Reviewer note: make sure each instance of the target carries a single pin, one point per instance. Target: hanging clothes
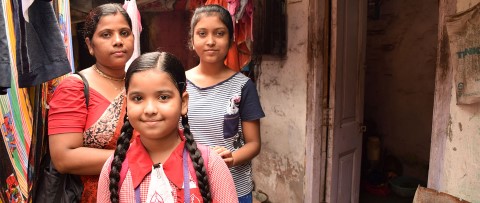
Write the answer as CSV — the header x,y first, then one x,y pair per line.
x,y
20,34
65,24
192,4
219,2
7,171
131,7
5,73
16,120
25,6
44,45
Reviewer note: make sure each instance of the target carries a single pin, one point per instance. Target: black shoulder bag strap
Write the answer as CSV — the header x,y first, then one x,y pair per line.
x,y
85,88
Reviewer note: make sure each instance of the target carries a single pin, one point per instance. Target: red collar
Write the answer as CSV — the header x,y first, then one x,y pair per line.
x,y
140,163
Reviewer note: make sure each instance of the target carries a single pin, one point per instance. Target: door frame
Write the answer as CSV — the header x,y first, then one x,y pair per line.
x,y
318,120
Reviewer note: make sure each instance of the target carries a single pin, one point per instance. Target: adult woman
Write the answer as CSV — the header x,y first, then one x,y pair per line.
x,y
82,138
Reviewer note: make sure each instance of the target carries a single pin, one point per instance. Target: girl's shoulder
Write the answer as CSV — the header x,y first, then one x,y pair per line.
x,y
237,79
205,152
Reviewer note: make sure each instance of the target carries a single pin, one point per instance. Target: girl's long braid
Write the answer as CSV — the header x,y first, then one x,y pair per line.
x,y
197,160
123,143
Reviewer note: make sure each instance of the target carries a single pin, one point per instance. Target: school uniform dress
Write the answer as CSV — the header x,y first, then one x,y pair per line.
x,y
139,178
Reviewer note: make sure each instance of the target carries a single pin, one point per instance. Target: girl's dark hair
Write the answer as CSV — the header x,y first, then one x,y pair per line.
x,y
212,10
92,19
173,67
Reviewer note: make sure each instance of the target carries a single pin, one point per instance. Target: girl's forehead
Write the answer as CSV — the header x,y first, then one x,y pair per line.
x,y
209,21
150,80
150,75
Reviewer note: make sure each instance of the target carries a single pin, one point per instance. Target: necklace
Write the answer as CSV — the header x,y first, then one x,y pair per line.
x,y
110,80
106,76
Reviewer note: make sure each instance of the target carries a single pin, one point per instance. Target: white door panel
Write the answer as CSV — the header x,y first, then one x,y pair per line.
x,y
346,100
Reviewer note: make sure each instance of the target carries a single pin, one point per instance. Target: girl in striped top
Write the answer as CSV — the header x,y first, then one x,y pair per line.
x,y
224,108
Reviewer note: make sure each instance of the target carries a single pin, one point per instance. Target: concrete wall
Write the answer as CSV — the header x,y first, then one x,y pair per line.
x,y
456,135
279,170
400,78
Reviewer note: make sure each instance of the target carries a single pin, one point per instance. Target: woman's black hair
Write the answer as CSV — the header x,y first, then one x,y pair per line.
x,y
92,19
173,67
211,10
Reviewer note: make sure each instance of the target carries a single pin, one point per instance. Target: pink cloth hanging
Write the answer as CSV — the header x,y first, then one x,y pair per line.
x,y
131,7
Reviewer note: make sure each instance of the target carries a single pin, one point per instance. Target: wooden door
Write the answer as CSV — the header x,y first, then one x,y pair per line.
x,y
348,38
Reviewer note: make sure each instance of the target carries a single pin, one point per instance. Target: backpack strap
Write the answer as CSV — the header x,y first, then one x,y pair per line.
x,y
205,151
85,88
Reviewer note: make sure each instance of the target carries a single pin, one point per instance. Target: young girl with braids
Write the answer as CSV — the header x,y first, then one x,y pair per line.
x,y
163,163
224,107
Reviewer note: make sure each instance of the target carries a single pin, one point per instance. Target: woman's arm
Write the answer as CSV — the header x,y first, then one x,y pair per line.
x,y
69,156
67,119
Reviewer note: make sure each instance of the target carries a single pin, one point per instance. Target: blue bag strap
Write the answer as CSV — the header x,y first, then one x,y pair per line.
x,y
186,177
137,194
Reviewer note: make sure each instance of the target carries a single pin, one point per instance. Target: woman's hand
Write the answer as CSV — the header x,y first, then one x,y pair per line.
x,y
225,154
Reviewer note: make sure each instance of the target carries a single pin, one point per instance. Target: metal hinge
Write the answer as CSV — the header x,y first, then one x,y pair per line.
x,y
363,129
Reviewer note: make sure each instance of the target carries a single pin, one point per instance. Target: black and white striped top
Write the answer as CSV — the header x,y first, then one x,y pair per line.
x,y
215,114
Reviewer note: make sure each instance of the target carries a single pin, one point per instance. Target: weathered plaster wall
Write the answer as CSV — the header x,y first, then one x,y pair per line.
x,y
463,5
456,132
279,170
400,76
461,164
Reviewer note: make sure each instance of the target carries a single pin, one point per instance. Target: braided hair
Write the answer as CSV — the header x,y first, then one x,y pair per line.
x,y
173,67
197,160
123,143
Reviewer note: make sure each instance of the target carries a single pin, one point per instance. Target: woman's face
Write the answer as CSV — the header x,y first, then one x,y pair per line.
x,y
154,105
210,39
112,42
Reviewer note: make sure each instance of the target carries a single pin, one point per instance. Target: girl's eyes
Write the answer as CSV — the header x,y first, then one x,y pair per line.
x,y
217,33
163,97
136,98
202,34
139,98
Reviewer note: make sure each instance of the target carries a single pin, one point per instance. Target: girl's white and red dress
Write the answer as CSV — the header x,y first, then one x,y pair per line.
x,y
139,174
